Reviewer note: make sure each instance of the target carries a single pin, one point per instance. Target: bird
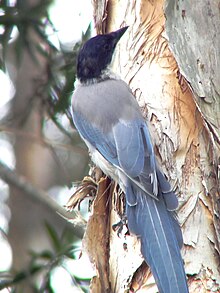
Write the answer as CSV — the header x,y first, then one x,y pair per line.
x,y
109,120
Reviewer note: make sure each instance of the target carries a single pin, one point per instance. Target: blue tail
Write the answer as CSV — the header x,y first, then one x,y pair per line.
x,y
160,236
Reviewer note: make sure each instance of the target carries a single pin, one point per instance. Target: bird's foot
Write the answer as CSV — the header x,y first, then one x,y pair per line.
x,y
120,225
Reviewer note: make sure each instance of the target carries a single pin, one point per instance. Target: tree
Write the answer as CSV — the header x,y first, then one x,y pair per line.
x,y
169,57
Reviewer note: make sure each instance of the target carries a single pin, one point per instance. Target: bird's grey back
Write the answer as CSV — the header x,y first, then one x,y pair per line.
x,y
106,101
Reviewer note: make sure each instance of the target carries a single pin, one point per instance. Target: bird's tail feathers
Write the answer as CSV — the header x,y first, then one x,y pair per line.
x,y
160,237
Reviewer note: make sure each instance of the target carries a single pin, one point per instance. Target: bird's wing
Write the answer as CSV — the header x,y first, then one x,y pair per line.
x,y
103,143
137,160
135,154
126,147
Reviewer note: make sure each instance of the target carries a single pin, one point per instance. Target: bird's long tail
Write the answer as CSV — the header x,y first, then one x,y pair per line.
x,y
160,237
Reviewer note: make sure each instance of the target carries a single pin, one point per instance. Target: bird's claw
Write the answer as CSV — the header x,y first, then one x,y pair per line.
x,y
120,225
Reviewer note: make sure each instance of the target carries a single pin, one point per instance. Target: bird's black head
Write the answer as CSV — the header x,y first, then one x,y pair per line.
x,y
96,54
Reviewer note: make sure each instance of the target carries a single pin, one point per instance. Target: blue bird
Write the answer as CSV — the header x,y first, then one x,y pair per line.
x,y
110,122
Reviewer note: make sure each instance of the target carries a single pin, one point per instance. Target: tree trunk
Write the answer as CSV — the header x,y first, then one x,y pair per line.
x,y
184,128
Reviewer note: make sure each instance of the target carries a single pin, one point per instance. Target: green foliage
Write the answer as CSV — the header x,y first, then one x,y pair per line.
x,y
25,18
42,263
32,23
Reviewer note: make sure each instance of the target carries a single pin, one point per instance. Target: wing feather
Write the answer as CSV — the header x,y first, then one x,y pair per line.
x,y
130,148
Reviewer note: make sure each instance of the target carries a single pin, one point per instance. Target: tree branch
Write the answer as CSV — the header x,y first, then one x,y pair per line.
x,y
11,178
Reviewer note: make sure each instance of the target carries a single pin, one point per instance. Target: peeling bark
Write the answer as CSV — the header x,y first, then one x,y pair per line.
x,y
96,239
193,29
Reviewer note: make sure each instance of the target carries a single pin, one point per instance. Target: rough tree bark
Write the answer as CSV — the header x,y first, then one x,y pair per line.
x,y
185,131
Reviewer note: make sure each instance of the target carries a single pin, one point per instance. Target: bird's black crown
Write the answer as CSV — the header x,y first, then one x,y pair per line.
x,y
96,54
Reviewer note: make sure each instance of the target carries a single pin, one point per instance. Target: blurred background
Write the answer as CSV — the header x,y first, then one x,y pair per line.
x,y
40,251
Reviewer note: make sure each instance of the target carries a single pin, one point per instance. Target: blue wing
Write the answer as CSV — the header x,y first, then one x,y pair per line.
x,y
123,147
129,148
103,143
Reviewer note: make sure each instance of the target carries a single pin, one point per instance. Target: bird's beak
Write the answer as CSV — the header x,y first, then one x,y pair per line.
x,y
119,33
